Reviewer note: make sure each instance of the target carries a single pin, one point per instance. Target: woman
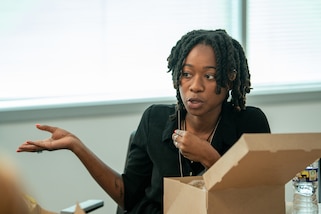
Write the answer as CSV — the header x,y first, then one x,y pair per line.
x,y
208,67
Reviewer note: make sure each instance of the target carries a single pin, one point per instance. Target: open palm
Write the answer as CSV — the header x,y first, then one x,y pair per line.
x,y
60,139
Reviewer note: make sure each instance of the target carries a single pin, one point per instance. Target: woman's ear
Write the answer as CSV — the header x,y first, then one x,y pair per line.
x,y
231,78
232,75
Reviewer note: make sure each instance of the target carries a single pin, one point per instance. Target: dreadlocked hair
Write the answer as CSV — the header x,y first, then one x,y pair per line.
x,y
232,69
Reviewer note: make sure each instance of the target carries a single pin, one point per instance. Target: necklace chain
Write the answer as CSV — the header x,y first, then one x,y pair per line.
x,y
211,135
209,139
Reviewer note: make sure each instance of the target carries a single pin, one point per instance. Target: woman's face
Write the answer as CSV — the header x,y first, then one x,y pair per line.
x,y
198,84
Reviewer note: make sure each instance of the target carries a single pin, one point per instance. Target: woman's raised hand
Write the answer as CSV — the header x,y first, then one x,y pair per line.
x,y
60,139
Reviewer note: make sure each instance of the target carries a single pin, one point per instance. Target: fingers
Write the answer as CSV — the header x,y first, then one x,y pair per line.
x,y
176,144
40,145
177,137
29,146
47,128
174,137
177,133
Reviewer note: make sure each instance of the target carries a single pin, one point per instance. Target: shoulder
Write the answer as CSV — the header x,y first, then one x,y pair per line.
x,y
250,119
249,111
158,108
254,120
252,111
159,111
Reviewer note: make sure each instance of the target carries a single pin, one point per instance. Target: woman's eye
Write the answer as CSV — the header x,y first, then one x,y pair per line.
x,y
186,74
210,76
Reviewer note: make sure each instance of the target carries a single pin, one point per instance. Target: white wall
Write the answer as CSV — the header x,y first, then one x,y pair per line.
x,y
58,180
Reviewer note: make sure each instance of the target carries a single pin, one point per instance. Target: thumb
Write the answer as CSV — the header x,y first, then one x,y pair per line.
x,y
47,128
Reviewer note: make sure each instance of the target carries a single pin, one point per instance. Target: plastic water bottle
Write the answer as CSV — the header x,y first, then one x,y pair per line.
x,y
305,186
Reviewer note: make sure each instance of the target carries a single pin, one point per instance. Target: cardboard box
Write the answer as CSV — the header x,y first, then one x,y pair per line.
x,y
249,178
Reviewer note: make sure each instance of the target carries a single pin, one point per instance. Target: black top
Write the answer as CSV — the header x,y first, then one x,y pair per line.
x,y
153,156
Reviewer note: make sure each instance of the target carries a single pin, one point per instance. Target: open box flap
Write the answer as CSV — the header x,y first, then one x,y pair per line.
x,y
178,193
263,159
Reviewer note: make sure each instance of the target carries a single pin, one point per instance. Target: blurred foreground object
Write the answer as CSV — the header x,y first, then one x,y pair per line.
x,y
13,197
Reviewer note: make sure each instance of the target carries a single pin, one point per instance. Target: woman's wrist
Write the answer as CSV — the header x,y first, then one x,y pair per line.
x,y
210,158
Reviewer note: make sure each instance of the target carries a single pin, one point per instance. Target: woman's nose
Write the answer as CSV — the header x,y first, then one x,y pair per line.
x,y
197,84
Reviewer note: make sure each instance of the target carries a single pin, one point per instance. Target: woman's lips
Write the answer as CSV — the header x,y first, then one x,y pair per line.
x,y
194,103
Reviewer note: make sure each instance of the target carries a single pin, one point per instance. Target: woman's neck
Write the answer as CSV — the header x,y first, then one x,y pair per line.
x,y
201,125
